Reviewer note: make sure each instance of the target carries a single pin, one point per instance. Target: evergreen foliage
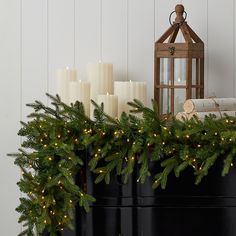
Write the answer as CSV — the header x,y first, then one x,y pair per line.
x,y
57,137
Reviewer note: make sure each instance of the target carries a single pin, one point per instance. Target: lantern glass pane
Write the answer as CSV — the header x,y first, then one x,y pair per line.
x,y
180,71
179,99
194,93
165,71
164,101
194,71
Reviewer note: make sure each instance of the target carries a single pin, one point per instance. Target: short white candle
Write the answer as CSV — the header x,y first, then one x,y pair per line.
x,y
127,91
110,104
64,76
80,91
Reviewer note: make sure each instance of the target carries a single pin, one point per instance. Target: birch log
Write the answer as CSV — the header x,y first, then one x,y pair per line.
x,y
210,104
182,116
217,114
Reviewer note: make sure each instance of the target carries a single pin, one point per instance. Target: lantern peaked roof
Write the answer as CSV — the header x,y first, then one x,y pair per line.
x,y
179,25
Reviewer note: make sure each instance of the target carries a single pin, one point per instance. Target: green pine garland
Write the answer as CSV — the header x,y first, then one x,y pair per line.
x,y
56,137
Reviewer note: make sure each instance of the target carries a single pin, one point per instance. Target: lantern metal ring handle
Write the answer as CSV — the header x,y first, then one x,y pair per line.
x,y
185,17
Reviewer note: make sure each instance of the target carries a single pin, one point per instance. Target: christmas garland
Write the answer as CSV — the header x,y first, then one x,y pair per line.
x,y
56,137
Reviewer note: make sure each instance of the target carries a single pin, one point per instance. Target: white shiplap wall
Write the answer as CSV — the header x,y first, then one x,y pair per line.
x,y
37,37
11,109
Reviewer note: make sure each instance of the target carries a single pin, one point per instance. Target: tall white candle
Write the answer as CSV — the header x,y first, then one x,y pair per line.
x,y
80,91
110,104
73,91
64,76
122,90
100,76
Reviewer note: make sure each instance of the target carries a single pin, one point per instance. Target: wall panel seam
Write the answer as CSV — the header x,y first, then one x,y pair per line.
x,y
207,52
74,33
127,40
21,78
234,48
47,48
100,30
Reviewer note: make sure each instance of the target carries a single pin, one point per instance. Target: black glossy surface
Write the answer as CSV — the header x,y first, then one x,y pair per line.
x,y
213,185
155,221
183,209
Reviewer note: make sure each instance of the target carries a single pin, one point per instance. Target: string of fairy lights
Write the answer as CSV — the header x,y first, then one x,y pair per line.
x,y
132,139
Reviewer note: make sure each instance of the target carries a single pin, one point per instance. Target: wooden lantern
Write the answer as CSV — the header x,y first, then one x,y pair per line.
x,y
179,66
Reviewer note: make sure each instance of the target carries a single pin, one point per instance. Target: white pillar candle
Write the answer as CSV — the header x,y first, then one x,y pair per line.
x,y
64,76
180,96
138,90
128,91
100,76
122,90
80,91
110,104
73,91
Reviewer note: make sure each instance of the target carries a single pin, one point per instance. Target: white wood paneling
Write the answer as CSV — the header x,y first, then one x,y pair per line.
x,y
141,42
87,34
114,36
162,12
60,38
34,55
197,20
220,48
10,104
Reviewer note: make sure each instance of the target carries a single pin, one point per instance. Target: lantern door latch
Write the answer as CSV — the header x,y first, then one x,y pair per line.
x,y
172,50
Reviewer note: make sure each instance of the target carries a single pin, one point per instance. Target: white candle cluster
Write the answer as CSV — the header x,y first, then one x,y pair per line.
x,y
99,87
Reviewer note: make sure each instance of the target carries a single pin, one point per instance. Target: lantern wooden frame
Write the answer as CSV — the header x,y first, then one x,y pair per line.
x,y
192,48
